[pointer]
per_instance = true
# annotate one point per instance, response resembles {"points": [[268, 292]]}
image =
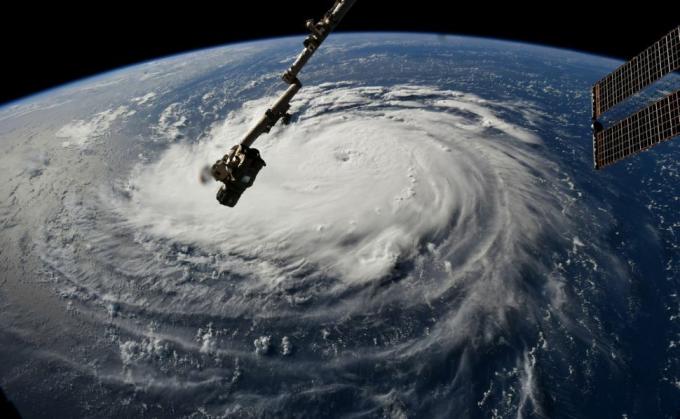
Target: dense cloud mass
{"points": [[365, 177]]}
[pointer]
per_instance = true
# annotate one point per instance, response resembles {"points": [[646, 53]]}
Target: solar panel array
{"points": [[657, 122], [660, 59]]}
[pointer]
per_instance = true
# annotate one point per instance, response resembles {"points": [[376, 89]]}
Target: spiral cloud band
{"points": [[362, 179], [394, 229]]}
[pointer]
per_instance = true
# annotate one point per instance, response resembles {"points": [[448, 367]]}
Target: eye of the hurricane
{"points": [[363, 183]]}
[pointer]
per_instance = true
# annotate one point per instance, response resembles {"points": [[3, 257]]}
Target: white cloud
{"points": [[81, 132], [145, 99], [353, 191], [170, 123]]}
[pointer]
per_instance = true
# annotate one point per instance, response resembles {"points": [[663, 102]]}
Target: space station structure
{"points": [[238, 168], [657, 122]]}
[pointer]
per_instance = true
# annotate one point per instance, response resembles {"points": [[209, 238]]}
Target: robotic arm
{"points": [[238, 168]]}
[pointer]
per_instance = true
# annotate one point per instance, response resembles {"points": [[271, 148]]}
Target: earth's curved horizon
{"points": [[616, 61], [428, 239]]}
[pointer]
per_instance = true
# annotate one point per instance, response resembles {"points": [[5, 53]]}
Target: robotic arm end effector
{"points": [[237, 170]]}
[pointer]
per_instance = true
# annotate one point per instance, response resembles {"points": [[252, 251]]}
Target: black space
{"points": [[46, 46]]}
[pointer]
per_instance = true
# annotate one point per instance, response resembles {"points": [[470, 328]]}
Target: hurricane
{"points": [[428, 238], [394, 229]]}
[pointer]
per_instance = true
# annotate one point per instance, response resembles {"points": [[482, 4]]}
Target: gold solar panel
{"points": [[660, 59], [659, 121]]}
